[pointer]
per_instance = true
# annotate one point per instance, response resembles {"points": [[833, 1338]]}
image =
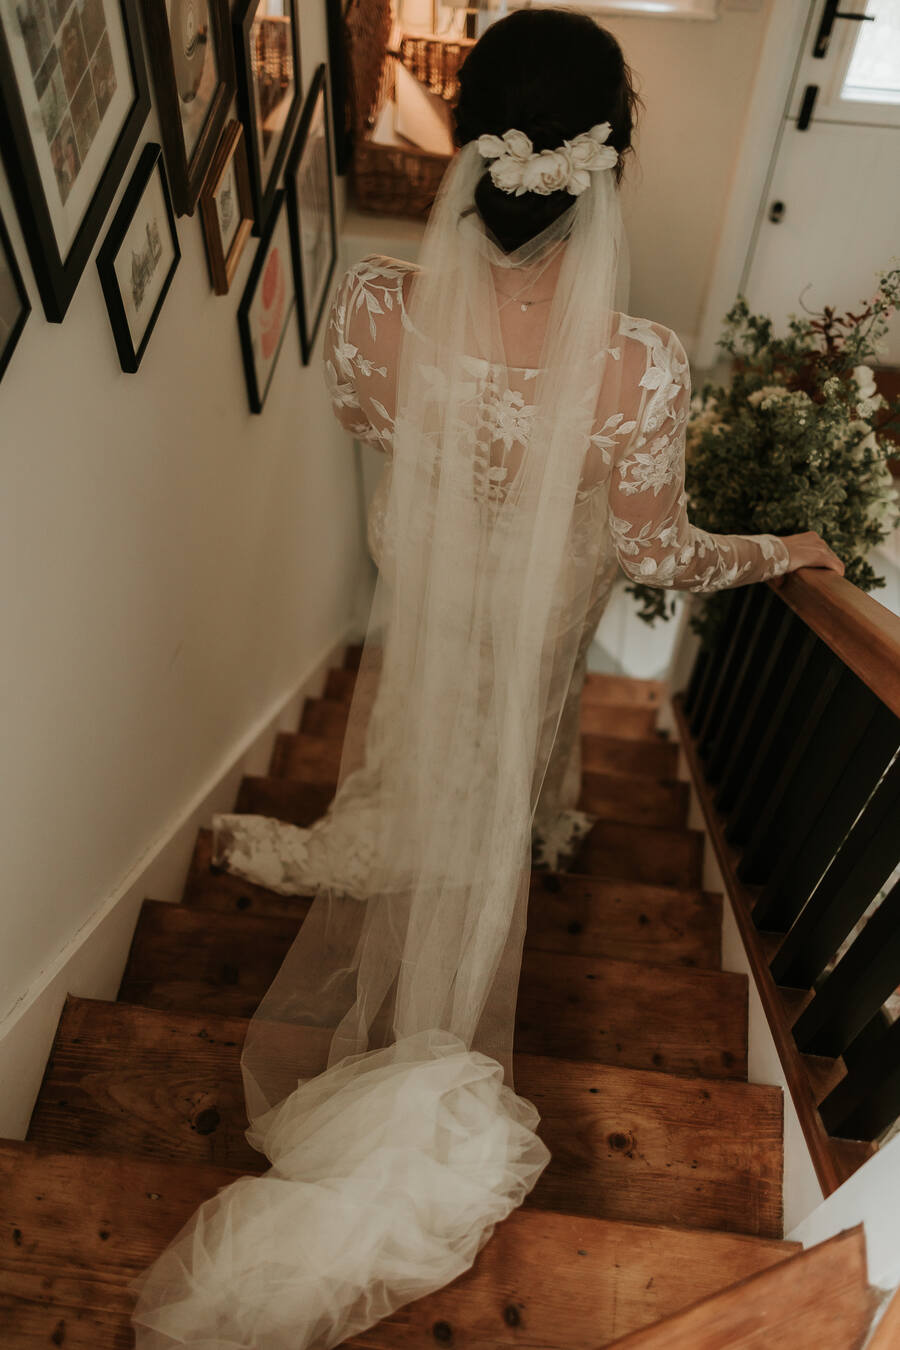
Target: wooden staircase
{"points": [[664, 1188]]}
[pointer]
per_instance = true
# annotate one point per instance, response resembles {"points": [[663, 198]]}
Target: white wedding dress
{"points": [[378, 1069], [632, 494]]}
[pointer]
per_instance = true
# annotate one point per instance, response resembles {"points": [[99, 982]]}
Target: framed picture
{"points": [[226, 207], [138, 257], [73, 99], [267, 45], [335, 11], [309, 188], [14, 303], [193, 71], [266, 305]]}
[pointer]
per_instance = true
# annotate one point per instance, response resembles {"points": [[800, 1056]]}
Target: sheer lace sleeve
{"points": [[363, 330], [655, 542]]}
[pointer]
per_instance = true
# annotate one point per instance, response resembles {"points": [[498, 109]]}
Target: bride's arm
{"points": [[655, 541]]}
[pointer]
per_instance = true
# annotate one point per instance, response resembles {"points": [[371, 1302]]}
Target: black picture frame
{"points": [[29, 147], [188, 167], [275, 53], [310, 204], [17, 285], [335, 13], [150, 167], [253, 332]]}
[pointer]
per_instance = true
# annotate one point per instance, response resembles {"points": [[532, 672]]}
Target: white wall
{"points": [[695, 79], [171, 567]]}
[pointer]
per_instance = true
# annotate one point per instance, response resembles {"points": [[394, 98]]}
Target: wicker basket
{"points": [[390, 179]]}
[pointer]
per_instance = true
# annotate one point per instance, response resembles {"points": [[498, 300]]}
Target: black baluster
{"points": [[783, 655], [745, 604], [746, 678], [851, 781], [851, 995], [731, 603], [701, 661], [863, 863], [867, 1101], [810, 771], [800, 686]]}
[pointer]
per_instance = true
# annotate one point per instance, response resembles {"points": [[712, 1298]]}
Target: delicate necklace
{"points": [[524, 305]]}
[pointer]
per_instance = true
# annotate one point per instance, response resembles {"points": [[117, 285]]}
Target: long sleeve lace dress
{"points": [[632, 491]]}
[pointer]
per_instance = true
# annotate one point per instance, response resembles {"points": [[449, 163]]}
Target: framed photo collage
{"points": [[75, 94]]}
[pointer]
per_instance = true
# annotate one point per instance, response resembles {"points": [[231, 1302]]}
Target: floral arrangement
{"points": [[796, 441]]}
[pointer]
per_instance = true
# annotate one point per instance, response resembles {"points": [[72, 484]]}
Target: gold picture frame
{"points": [[226, 207]]}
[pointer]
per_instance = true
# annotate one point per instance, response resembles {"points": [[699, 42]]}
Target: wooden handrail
{"points": [[862, 633]]}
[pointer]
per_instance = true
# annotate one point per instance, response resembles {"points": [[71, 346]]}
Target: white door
{"points": [[830, 219]]}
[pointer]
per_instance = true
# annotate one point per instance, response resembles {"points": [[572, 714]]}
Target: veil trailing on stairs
{"points": [[378, 1067]]}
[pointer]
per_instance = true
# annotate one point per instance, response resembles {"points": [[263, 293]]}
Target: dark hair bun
{"points": [[553, 74]]}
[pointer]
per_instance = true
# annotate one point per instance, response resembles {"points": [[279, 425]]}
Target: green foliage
{"points": [[796, 441]]}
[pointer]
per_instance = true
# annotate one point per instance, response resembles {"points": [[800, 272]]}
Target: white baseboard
{"points": [[91, 963], [802, 1192]]}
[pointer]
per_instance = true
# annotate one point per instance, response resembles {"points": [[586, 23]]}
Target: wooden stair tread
{"points": [[678, 1019], [212, 888], [84, 1224], [657, 759], [568, 912], [634, 798], [626, 1144], [627, 920], [637, 1016], [622, 689], [637, 798], [616, 689], [626, 721], [613, 754], [817, 1300], [657, 855]]}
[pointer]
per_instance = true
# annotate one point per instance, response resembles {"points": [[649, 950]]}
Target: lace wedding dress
{"points": [[519, 474], [633, 493]]}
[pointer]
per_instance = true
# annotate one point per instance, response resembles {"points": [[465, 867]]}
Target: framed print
{"points": [[193, 72], [73, 99], [266, 305], [14, 303], [267, 46], [226, 207], [309, 188], [335, 10], [138, 257]]}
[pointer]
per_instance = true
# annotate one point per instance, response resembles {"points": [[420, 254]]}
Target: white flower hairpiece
{"points": [[517, 168]]}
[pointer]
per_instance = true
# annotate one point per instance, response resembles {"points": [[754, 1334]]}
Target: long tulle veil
{"points": [[378, 1067]]}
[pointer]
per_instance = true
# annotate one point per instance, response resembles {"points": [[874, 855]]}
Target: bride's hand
{"points": [[810, 550]]}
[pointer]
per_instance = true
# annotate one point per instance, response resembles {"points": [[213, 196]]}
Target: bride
{"points": [[533, 434]]}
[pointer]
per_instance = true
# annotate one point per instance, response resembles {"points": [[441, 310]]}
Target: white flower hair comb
{"points": [[517, 168]]}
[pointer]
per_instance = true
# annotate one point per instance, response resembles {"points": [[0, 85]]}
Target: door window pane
{"points": [[873, 75]]}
